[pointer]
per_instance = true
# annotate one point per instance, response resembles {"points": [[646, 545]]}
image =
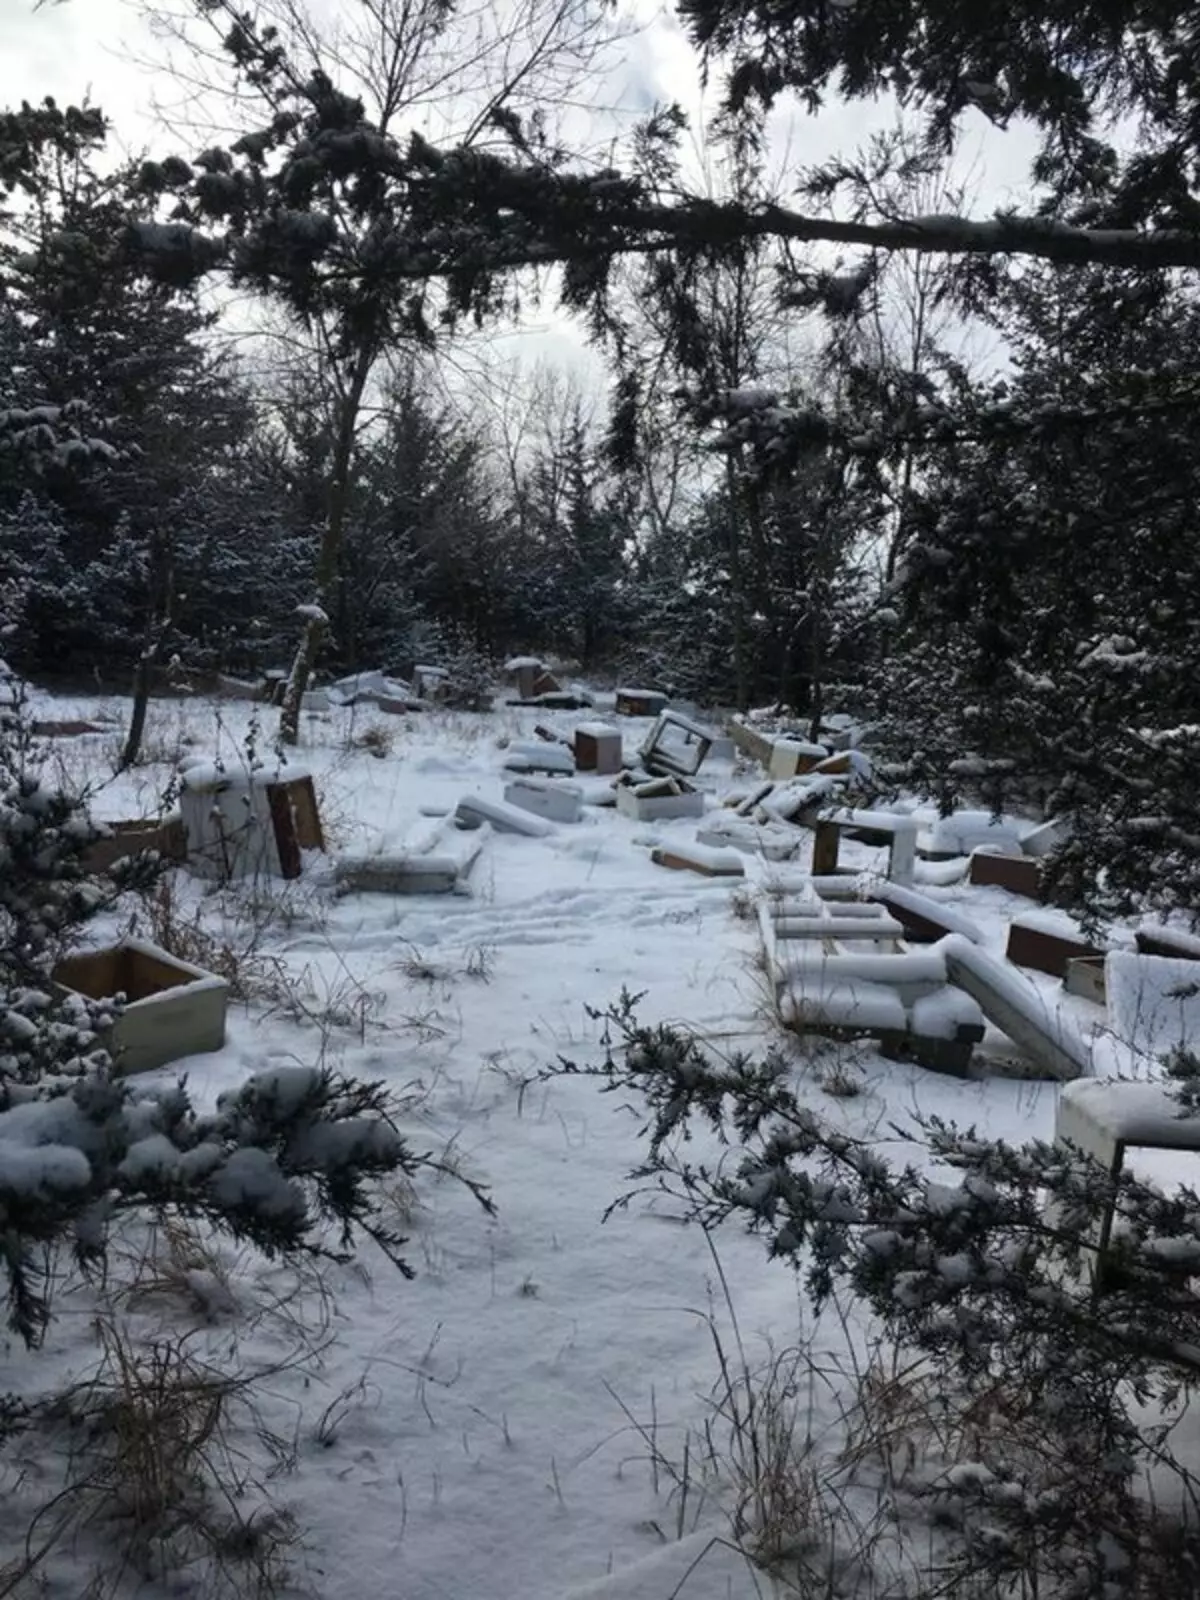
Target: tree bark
{"points": [[332, 536], [156, 634], [741, 692]]}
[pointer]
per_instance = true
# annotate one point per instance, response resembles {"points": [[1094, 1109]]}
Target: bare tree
{"points": [[467, 75]]}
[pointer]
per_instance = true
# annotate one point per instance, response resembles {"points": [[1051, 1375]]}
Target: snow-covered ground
{"points": [[470, 1435]]}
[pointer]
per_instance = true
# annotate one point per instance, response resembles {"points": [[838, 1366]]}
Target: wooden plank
{"points": [[924, 919], [283, 825], [751, 742], [826, 841], [1018, 874], [697, 858], [1159, 941], [309, 833], [1017, 1009], [1045, 951], [1085, 977]]}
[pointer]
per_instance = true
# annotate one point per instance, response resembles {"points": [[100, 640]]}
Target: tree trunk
{"points": [[332, 535], [156, 635], [741, 692]]}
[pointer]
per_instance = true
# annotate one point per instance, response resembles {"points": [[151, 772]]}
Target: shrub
{"points": [[985, 1272], [281, 1162]]}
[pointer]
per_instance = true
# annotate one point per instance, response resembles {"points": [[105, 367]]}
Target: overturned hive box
{"points": [[241, 823], [172, 1008], [675, 746]]}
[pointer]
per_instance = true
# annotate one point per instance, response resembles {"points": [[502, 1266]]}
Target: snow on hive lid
{"points": [[214, 776], [1144, 1113]]}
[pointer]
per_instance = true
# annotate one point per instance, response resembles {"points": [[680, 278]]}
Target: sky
{"points": [[106, 51]]}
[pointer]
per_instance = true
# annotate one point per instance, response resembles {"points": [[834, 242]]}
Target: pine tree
{"points": [[1049, 652]]}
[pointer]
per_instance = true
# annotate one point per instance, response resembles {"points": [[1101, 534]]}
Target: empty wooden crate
{"points": [[172, 1008]]}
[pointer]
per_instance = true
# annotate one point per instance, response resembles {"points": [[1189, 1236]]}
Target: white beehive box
{"points": [[633, 802], [557, 802], [242, 823], [172, 1008]]}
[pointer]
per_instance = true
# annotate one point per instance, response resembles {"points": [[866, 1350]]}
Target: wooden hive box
{"points": [[640, 702], [1018, 874], [1045, 948], [598, 748], [659, 800], [173, 1009], [240, 823], [126, 839]]}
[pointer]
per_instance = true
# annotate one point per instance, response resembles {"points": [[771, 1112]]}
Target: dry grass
{"points": [[174, 1267], [375, 739], [153, 1469], [228, 933], [418, 966], [156, 1483], [234, 953], [842, 1082]]}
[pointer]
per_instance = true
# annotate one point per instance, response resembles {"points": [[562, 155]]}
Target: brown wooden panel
{"points": [[309, 834], [1018, 874], [826, 841], [1044, 951], [1160, 943], [283, 824]]}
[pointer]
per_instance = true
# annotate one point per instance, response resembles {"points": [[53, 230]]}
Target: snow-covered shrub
{"points": [[279, 1163], [977, 1264]]}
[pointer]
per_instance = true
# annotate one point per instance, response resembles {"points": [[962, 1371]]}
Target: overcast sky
{"points": [[105, 51]]}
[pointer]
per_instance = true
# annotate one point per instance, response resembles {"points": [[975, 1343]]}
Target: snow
{"points": [[857, 1005], [944, 1013], [726, 863], [916, 970], [152, 1157], [473, 810], [964, 831], [1153, 1001], [937, 911], [1037, 1021], [1134, 1113], [41, 1171], [821, 927], [539, 756], [492, 1457], [250, 1179], [198, 776]]}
